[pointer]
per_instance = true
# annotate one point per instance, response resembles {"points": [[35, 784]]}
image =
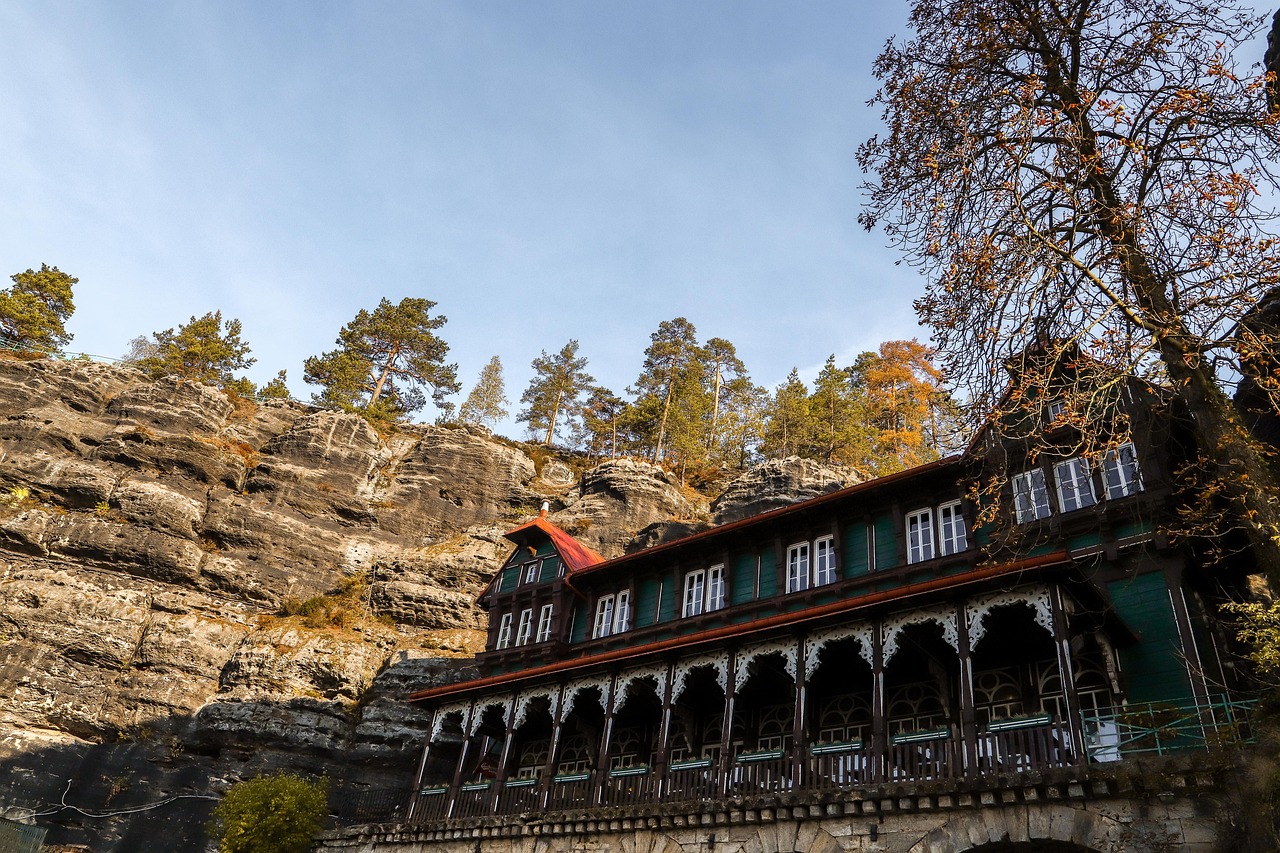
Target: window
{"points": [[824, 561], [694, 592], [953, 537], [1053, 410], [715, 588], [544, 624], [531, 572], [1030, 497], [1120, 472], [526, 627], [798, 567], [622, 612], [504, 631], [1075, 484], [604, 616], [920, 536]]}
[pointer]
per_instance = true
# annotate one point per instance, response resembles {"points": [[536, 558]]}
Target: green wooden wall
{"points": [[1153, 668]]}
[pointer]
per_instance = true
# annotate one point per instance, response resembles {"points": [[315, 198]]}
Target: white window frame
{"points": [[604, 615], [825, 570], [715, 588], [531, 571], [525, 632], [622, 612], [920, 535], [1054, 409], [695, 587], [504, 631], [1030, 496], [1120, 478], [798, 566], [1074, 479], [953, 535], [544, 623]]}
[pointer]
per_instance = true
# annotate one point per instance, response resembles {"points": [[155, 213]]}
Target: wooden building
{"points": [[872, 635]]}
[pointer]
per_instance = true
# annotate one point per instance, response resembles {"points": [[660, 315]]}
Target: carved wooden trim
{"points": [[976, 609], [944, 616], [864, 633], [789, 649], [718, 660]]}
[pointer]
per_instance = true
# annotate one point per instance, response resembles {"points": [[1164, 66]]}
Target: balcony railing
{"points": [[1016, 745]]}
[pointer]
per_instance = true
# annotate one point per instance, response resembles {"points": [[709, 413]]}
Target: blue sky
{"points": [[541, 170]]}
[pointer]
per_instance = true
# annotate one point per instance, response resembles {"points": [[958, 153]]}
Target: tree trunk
{"points": [[382, 378]]}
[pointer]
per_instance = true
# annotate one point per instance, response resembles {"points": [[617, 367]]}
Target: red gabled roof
{"points": [[575, 555]]}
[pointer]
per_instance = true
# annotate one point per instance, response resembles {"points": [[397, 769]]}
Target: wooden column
{"points": [[1066, 674], [549, 769], [968, 718], [422, 769], [462, 758], [800, 729], [1187, 639], [725, 763], [664, 734], [606, 734], [879, 724], [500, 778]]}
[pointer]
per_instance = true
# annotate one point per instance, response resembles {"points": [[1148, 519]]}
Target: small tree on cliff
{"points": [[487, 402], [558, 383], [37, 306], [270, 814], [385, 361], [1079, 178], [203, 350]]}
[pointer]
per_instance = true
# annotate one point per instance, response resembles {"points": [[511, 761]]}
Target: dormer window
{"points": [[531, 571], [1053, 410]]}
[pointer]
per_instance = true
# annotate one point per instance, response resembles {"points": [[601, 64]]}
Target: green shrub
{"points": [[270, 814]]}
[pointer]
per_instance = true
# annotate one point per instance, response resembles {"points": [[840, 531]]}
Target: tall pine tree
{"points": [[487, 402], [556, 390], [668, 382]]}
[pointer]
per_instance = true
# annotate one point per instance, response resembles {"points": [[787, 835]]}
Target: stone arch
{"points": [[1023, 829]]}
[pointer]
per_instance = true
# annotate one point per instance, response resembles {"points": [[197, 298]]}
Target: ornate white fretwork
{"points": [[551, 694], [485, 704], [603, 683], [787, 648], [976, 609], [944, 616], [658, 673], [719, 661], [864, 633], [437, 723]]}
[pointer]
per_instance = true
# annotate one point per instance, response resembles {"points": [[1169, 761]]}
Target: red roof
{"points": [[575, 555]]}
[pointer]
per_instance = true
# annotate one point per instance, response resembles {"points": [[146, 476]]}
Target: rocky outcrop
{"points": [[776, 484], [619, 497]]}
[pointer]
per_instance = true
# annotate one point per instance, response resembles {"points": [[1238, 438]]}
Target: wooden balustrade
{"points": [[1030, 743]]}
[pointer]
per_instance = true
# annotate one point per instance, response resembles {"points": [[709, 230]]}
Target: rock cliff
{"points": [[195, 588]]}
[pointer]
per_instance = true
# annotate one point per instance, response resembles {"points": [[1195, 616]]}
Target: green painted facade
{"points": [[1154, 668]]}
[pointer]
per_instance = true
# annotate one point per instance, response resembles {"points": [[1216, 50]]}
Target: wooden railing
{"points": [[1029, 743]]}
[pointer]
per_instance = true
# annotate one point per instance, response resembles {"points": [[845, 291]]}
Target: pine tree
{"points": [[672, 371], [742, 420], [276, 389], [203, 350], [835, 409], [487, 402], [902, 386], [384, 362], [789, 424], [38, 305], [602, 418], [722, 365], [558, 383]]}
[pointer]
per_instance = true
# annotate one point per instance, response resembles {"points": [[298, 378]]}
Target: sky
{"points": [[541, 170]]}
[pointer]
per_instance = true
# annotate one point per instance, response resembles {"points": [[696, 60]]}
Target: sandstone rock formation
{"points": [[775, 484], [152, 531]]}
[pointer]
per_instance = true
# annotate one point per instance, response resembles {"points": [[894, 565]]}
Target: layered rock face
{"points": [[150, 533]]}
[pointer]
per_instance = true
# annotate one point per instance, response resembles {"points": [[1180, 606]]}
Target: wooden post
{"points": [[606, 734], [879, 725], [968, 717], [800, 729], [725, 762], [1066, 674], [504, 770], [549, 769], [1187, 639], [422, 769], [462, 758], [664, 735]]}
